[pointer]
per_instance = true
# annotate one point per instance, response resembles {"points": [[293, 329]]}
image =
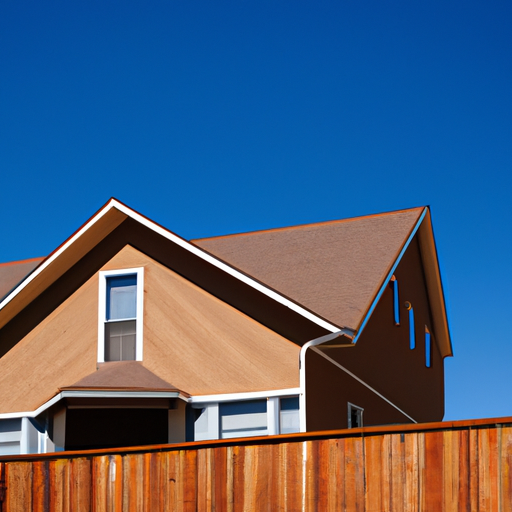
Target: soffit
{"points": [[434, 286], [334, 269]]}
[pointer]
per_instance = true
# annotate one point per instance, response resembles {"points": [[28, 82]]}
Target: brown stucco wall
{"points": [[328, 394], [382, 358]]}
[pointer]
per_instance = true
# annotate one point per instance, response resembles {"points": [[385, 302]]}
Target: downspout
{"points": [[302, 368]]}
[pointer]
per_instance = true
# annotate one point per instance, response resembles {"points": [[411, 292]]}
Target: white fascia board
{"points": [[185, 245], [235, 397], [93, 394], [390, 275]]}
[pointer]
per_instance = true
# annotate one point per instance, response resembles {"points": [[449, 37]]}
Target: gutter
{"points": [[302, 369]]}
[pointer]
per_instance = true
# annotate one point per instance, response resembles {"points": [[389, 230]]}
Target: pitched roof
{"points": [[96, 229], [123, 375], [328, 274], [13, 272], [334, 269]]}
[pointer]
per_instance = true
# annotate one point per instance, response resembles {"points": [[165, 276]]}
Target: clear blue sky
{"points": [[219, 117]]}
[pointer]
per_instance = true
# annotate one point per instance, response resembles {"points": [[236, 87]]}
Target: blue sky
{"points": [[220, 117]]}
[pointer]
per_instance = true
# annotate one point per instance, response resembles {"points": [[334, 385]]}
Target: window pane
{"points": [[120, 341], [289, 415], [121, 297], [243, 419]]}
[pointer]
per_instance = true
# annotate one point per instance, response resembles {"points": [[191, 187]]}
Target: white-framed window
{"points": [[121, 294], [289, 415], [355, 415]]}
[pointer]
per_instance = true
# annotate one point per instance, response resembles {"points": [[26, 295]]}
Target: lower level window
{"points": [[355, 416], [289, 415], [243, 419]]}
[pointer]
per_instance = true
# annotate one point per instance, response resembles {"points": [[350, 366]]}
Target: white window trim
{"points": [[102, 309]]}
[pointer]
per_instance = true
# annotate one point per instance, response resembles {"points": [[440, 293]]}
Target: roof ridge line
{"points": [[311, 224]]}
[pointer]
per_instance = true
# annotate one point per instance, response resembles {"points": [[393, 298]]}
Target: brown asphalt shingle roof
{"points": [[123, 375], [333, 268], [14, 272]]}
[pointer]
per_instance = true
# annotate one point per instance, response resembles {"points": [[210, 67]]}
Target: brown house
{"points": [[128, 334]]}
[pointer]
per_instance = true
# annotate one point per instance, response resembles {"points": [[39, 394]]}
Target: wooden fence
{"points": [[459, 466]]}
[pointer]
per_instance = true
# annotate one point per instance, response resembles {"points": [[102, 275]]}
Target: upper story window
{"points": [[120, 315]]}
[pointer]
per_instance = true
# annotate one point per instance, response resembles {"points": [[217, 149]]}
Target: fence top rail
{"points": [[277, 439]]}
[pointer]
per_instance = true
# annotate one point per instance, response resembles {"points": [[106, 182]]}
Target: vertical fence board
{"points": [[450, 471], [412, 472], [40, 481], [173, 460], [220, 477], [18, 480], [354, 474], [60, 485], [506, 469], [462, 449], [100, 478], [189, 479], [397, 474], [473, 487], [433, 481], [81, 485], [203, 480], [132, 482], [373, 469], [488, 470], [238, 478], [322, 459]]}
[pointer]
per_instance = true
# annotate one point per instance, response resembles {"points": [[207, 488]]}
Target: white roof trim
{"points": [[180, 242], [228, 397], [92, 394]]}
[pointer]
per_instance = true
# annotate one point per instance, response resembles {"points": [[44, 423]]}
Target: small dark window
{"points": [[428, 348], [412, 333], [396, 304], [355, 416]]}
